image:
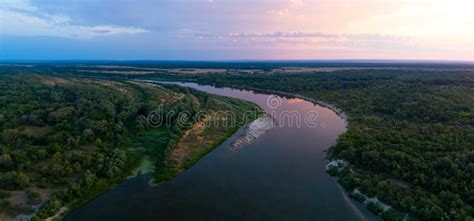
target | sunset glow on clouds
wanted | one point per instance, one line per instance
(237, 29)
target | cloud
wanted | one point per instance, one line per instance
(317, 35)
(289, 8)
(22, 5)
(304, 37)
(21, 18)
(242, 28)
(316, 42)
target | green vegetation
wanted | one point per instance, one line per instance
(76, 137)
(410, 140)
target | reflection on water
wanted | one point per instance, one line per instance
(256, 130)
(295, 100)
(278, 177)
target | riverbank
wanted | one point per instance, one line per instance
(209, 130)
(343, 171)
(332, 107)
(372, 203)
(376, 206)
(54, 209)
(411, 126)
(193, 159)
(281, 166)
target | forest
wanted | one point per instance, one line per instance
(65, 139)
(410, 139)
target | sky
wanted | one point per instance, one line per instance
(236, 29)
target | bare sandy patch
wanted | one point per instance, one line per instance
(188, 142)
(53, 81)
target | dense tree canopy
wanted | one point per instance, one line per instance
(79, 135)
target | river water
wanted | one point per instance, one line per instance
(279, 177)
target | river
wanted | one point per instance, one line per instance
(279, 177)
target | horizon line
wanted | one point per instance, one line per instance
(243, 60)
